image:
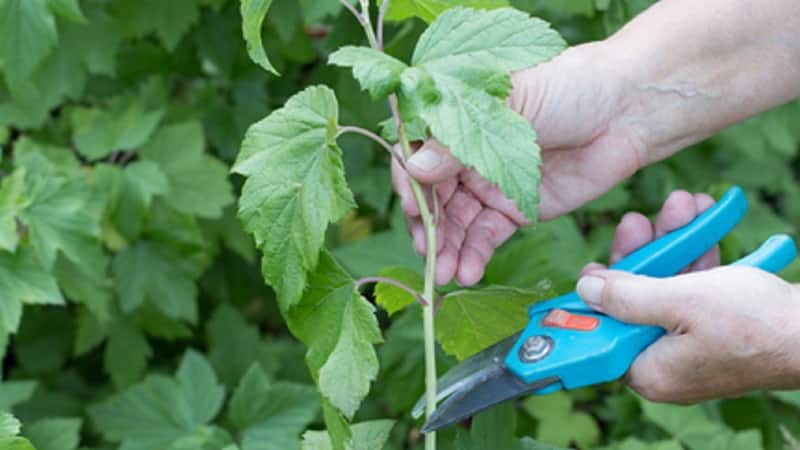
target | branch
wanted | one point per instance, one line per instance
(377, 139)
(381, 19)
(353, 11)
(366, 280)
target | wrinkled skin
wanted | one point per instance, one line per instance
(730, 329)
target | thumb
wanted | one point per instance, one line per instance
(433, 163)
(633, 298)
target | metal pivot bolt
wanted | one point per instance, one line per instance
(535, 348)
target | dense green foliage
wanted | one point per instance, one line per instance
(133, 311)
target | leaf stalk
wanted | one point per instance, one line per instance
(399, 284)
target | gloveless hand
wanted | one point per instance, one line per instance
(575, 103)
(729, 330)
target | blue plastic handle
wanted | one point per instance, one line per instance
(672, 252)
(582, 358)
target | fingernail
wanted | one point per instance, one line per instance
(590, 290)
(426, 160)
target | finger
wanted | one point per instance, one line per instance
(712, 257)
(433, 163)
(656, 373)
(679, 209)
(633, 231)
(492, 196)
(633, 298)
(591, 267)
(403, 188)
(417, 235)
(446, 189)
(488, 230)
(446, 264)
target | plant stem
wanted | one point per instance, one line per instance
(428, 222)
(379, 140)
(430, 278)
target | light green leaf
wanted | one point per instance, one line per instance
(157, 273)
(461, 65)
(126, 353)
(377, 72)
(339, 327)
(161, 411)
(198, 182)
(12, 201)
(270, 415)
(126, 125)
(471, 320)
(15, 443)
(68, 9)
(295, 186)
(392, 298)
(559, 424)
(427, 10)
(55, 433)
(253, 13)
(9, 425)
(371, 435)
(23, 281)
(29, 34)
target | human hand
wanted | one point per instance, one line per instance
(729, 330)
(576, 103)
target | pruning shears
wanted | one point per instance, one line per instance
(567, 345)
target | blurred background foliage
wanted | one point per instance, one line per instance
(118, 120)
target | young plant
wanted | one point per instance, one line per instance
(454, 89)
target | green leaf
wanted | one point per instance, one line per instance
(9, 425)
(559, 424)
(295, 186)
(64, 216)
(691, 426)
(55, 433)
(253, 13)
(157, 273)
(14, 392)
(427, 10)
(15, 443)
(371, 435)
(126, 353)
(270, 415)
(23, 281)
(12, 201)
(392, 298)
(461, 65)
(30, 34)
(169, 20)
(131, 191)
(377, 72)
(339, 327)
(391, 248)
(233, 344)
(161, 411)
(198, 183)
(471, 320)
(126, 125)
(68, 9)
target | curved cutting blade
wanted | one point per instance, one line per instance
(496, 386)
(464, 374)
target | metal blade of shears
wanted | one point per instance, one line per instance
(465, 373)
(497, 385)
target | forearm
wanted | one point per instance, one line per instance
(692, 68)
